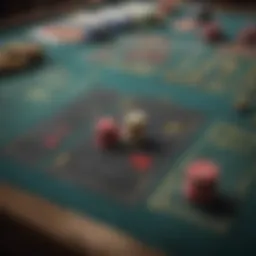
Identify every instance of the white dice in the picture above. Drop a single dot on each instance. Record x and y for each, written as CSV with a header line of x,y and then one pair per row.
x,y
134,126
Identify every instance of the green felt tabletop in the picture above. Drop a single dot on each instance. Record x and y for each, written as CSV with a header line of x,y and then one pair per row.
x,y
194,75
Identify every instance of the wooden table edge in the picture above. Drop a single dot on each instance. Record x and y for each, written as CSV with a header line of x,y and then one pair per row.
x,y
81,233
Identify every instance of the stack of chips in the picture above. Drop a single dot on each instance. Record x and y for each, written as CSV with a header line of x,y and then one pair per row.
x,y
110,21
107,24
165,6
117,23
247,36
107,133
203,14
151,15
201,182
94,30
212,33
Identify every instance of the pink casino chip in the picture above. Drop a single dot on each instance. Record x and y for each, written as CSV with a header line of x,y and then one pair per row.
x,y
106,133
204,170
201,181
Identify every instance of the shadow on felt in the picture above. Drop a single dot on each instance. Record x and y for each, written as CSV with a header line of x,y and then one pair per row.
x,y
222,206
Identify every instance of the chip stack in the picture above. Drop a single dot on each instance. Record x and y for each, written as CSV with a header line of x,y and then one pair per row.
x,y
138,15
154,18
106,133
247,36
150,16
201,181
212,33
111,21
203,13
97,31
98,34
166,6
117,24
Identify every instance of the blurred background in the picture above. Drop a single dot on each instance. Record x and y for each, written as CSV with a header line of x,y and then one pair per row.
x,y
10,8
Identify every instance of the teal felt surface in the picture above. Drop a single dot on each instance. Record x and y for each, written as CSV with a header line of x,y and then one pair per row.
x,y
163,220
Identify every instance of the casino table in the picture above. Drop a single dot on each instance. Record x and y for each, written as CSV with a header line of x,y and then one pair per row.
x,y
187,88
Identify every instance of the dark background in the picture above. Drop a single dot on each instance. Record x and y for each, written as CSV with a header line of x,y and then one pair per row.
x,y
12,7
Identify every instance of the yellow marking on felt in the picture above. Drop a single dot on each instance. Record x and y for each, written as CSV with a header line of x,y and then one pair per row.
x,y
195,78
215,87
38,94
188,80
184,63
55,77
250,76
236,139
127,104
252,71
177,77
62,159
209,64
171,76
164,186
141,69
206,67
189,62
229,66
172,128
164,191
160,199
184,159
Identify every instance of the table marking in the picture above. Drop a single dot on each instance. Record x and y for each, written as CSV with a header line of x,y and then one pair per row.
x,y
207,66
235,139
173,128
38,95
62,159
216,87
229,66
140,68
163,198
212,74
53,78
